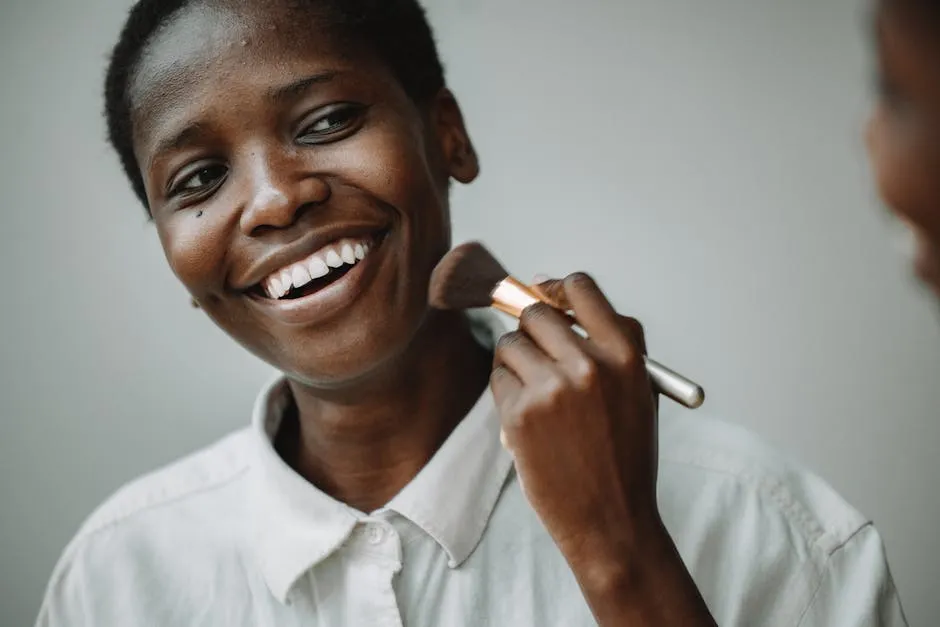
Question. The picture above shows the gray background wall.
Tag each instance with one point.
(702, 158)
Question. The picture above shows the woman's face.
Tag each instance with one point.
(299, 194)
(904, 134)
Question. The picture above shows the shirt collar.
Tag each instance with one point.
(298, 525)
(453, 496)
(451, 499)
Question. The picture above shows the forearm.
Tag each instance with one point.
(640, 583)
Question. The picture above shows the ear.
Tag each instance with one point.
(459, 156)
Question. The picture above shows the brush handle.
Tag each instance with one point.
(512, 296)
(672, 384)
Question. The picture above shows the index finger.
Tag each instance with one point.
(552, 291)
(600, 320)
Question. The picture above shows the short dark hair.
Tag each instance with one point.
(929, 8)
(397, 31)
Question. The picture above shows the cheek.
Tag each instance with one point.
(884, 157)
(903, 170)
(390, 163)
(195, 249)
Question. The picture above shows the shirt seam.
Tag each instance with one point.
(826, 569)
(812, 531)
(86, 534)
(89, 533)
(820, 541)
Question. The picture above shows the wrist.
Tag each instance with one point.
(639, 581)
(619, 561)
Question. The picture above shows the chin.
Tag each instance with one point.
(356, 353)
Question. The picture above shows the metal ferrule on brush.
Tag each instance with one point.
(512, 296)
(463, 279)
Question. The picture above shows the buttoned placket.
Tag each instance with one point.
(376, 553)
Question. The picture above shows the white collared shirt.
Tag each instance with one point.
(233, 537)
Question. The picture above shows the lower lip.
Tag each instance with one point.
(329, 301)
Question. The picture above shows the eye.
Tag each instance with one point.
(332, 124)
(199, 179)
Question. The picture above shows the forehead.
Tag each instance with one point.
(223, 51)
(208, 35)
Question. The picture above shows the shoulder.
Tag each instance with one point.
(189, 498)
(756, 528)
(722, 458)
(196, 475)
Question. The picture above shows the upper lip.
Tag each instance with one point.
(292, 253)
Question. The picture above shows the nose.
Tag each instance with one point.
(280, 189)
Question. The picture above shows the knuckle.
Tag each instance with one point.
(512, 417)
(508, 340)
(627, 359)
(553, 390)
(580, 280)
(634, 328)
(636, 335)
(585, 373)
(520, 416)
(537, 403)
(535, 313)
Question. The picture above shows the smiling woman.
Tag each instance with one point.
(285, 147)
(296, 158)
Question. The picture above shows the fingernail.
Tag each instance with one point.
(540, 278)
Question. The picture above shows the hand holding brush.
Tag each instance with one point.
(469, 277)
(578, 415)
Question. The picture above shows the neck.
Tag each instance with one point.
(363, 452)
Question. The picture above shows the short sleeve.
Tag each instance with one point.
(856, 588)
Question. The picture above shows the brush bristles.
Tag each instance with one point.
(465, 278)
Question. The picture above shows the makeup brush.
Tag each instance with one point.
(469, 277)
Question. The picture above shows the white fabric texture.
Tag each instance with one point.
(232, 537)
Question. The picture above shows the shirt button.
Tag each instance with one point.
(376, 534)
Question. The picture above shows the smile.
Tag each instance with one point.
(323, 284)
(320, 269)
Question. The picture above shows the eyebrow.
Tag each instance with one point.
(188, 135)
(191, 133)
(299, 87)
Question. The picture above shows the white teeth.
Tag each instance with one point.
(332, 259)
(317, 268)
(300, 275)
(271, 288)
(287, 281)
